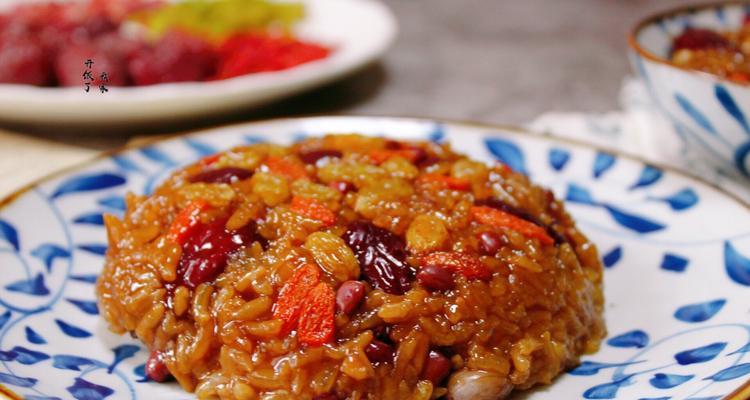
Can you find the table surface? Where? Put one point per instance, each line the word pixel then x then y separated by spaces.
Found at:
pixel 503 61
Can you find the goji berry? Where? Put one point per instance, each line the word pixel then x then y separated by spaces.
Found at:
pixel 446 181
pixel 465 264
pixel 286 168
pixel 186 221
pixel 292 295
pixel 316 323
pixel 501 219
pixel 379 156
pixel 208 160
pixel 313 209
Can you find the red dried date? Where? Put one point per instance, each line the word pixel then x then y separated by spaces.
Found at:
pixel 205 252
pixel 222 175
pixel 381 255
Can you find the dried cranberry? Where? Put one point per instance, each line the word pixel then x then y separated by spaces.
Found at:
pixel 313 156
pixel 489 243
pixel 697 38
pixel 349 295
pixel 498 204
pixel 436 368
pixel 205 252
pixel 222 175
pixel 343 186
pixel 381 255
pixel 156 368
pixel 378 351
pixel 435 277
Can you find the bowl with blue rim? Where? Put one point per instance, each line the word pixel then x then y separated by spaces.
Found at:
pixel 711 113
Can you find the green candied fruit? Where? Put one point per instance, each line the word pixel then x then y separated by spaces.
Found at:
pixel 216 19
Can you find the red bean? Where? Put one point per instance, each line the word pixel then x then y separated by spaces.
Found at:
pixel 378 351
pixel 222 175
pixel 489 243
pixel 349 295
pixel 313 156
pixel 435 277
pixel 343 186
pixel 436 368
pixel 156 369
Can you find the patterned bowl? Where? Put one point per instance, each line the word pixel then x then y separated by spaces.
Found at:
pixel 707 111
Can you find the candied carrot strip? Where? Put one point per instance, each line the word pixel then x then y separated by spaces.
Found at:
pixel 287 168
pixel 447 181
pixel 501 219
pixel 313 209
pixel 316 324
pixel 187 219
pixel 465 264
pixel 292 296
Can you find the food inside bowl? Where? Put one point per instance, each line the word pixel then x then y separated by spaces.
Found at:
pixel 144 42
pixel 352 267
pixel 722 53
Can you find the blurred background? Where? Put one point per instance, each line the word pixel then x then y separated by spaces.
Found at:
pixel 493 61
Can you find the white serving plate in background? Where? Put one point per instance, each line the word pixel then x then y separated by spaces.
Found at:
pixel 358 31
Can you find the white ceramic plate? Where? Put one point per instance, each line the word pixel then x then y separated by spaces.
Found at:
pixel 676 251
pixel 359 31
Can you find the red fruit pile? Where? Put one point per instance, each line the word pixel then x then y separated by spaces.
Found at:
pixel 47 44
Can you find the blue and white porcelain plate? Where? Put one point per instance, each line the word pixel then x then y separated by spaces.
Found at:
pixel 676 251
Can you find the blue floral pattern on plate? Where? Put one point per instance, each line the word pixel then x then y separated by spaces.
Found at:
pixel 676 252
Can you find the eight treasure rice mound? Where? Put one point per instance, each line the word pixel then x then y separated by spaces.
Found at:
pixel 352 267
